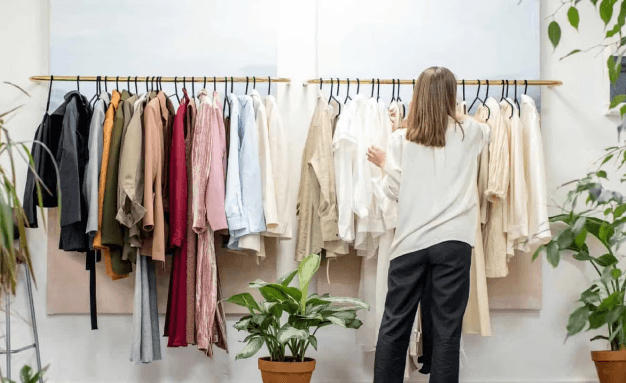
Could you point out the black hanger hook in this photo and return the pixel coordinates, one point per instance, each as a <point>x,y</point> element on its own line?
<point>254,82</point>
<point>347,92</point>
<point>372,96</point>
<point>128,84</point>
<point>525,86</point>
<point>378,90</point>
<point>487,95</point>
<point>463,89</point>
<point>78,83</point>
<point>358,85</point>
<point>49,93</point>
<point>225,87</point>
<point>106,90</point>
<point>269,85</point>
<point>247,81</point>
<point>332,87</point>
<point>231,84</point>
<point>321,83</point>
<point>193,86</point>
<point>214,84</point>
<point>117,84</point>
<point>176,88</point>
<point>393,90</point>
<point>477,96</point>
<point>398,96</point>
<point>136,88</point>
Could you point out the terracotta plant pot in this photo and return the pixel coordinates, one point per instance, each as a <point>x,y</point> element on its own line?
<point>288,371</point>
<point>611,365</point>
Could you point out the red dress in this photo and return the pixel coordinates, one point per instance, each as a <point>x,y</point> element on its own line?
<point>177,323</point>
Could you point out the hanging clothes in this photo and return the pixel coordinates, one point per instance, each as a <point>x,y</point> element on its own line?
<point>535,176</point>
<point>494,232</point>
<point>192,237</point>
<point>156,117</point>
<point>146,343</point>
<point>517,215</point>
<point>317,200</point>
<point>244,189</point>
<point>177,310</point>
<point>112,232</point>
<point>107,130</point>
<point>279,153</point>
<point>208,178</point>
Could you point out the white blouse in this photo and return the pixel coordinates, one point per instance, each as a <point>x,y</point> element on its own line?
<point>435,187</point>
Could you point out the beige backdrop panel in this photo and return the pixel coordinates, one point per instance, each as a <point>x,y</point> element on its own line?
<point>520,290</point>
<point>68,281</point>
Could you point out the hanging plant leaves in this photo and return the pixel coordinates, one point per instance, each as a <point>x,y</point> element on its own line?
<point>573,17</point>
<point>617,100</point>
<point>552,251</point>
<point>554,33</point>
<point>606,10</point>
<point>571,53</point>
<point>578,320</point>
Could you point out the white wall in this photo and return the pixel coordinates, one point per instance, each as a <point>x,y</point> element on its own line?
<point>526,347</point>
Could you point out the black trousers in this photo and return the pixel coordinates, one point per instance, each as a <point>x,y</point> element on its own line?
<point>447,267</point>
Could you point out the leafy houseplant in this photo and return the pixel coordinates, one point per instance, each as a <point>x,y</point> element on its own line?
<point>27,375</point>
<point>305,314</point>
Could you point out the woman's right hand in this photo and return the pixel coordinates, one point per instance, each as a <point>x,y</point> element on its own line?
<point>376,156</point>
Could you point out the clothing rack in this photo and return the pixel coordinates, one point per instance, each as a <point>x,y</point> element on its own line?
<point>370,81</point>
<point>180,79</point>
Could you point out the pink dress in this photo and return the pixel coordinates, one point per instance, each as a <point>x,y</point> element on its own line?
<point>208,153</point>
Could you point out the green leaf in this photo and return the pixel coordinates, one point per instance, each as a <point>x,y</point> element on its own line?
<point>608,211</point>
<point>286,279</point>
<point>253,346</point>
<point>354,324</point>
<point>612,32</point>
<point>614,314</point>
<point>573,17</point>
<point>26,373</point>
<point>337,321</point>
<point>604,232</point>
<point>614,67</point>
<point>619,210</point>
<point>306,270</point>
<point>565,239</point>
<point>622,42</point>
<point>554,33</point>
<point>601,174</point>
<point>578,320</point>
<point>591,295</point>
<point>597,319</point>
<point>579,225</point>
<point>594,2</point>
<point>606,10</point>
<point>621,18</point>
<point>245,300</point>
<point>243,323</point>
<point>616,273</point>
<point>289,332</point>
<point>580,239</point>
<point>622,111</point>
<point>607,260</point>
<point>616,101</point>
<point>599,337</point>
<point>553,253</point>
<point>583,256</point>
<point>571,53</point>
<point>358,303</point>
<point>313,341</point>
<point>538,252</point>
<point>608,158</point>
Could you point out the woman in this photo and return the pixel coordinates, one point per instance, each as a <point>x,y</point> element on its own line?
<point>431,169</point>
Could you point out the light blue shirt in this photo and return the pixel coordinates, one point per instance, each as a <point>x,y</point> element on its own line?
<point>244,192</point>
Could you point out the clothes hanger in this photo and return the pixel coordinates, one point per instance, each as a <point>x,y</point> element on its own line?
<point>332,88</point>
<point>519,109</point>
<point>247,80</point>
<point>97,92</point>
<point>338,84</point>
<point>393,90</point>
<point>117,83</point>
<point>49,94</point>
<point>507,96</point>
<point>485,101</point>
<point>321,83</point>
<point>254,82</point>
<point>136,89</point>
<point>225,98</point>
<point>358,85</point>
<point>105,84</point>
<point>214,84</point>
<point>347,93</point>
<point>464,103</point>
<point>400,100</point>
<point>338,103</point>
<point>269,85</point>
<point>147,85</point>
<point>477,96</point>
<point>128,85</point>
<point>372,96</point>
<point>176,88</point>
<point>78,84</point>
<point>525,86</point>
<point>378,91</point>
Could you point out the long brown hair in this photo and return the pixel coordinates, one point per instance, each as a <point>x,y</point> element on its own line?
<point>434,101</point>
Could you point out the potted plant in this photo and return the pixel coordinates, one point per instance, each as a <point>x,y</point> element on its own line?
<point>289,319</point>
<point>602,217</point>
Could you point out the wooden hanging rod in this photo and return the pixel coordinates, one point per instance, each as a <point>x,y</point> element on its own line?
<point>179,79</point>
<point>368,81</point>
